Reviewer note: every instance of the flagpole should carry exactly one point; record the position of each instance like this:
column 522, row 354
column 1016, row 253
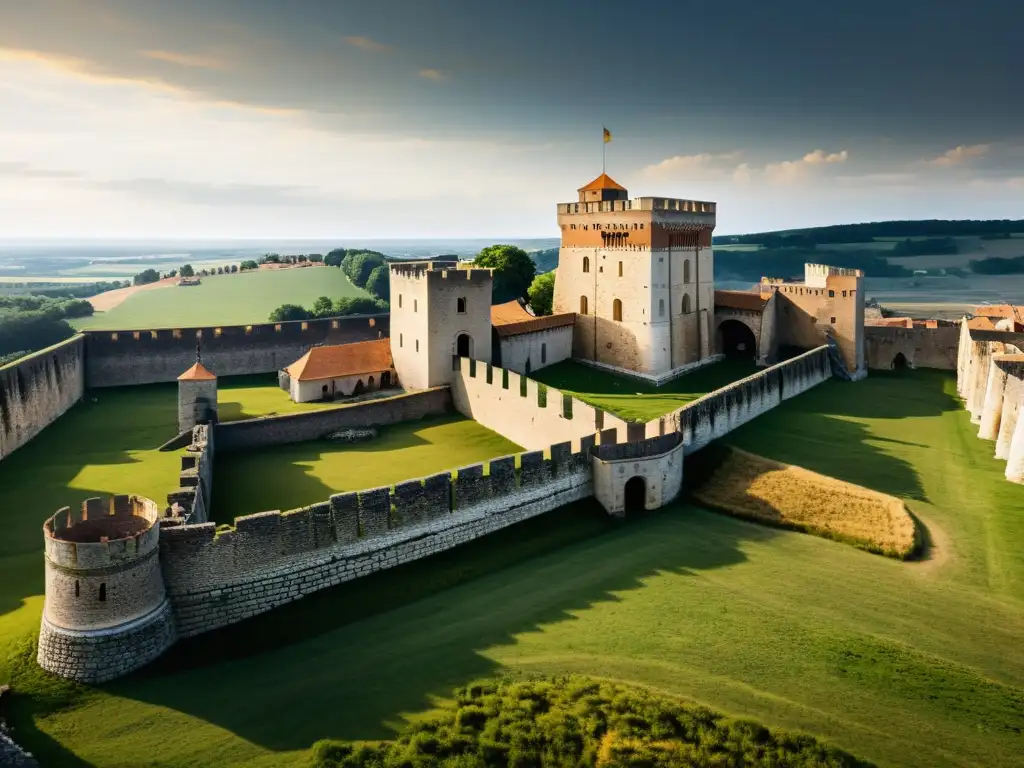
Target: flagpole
column 604, row 150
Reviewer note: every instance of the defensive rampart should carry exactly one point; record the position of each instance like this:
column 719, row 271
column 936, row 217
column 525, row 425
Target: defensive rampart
column 313, row 425
column 118, row 358
column 525, row 411
column 217, row 578
column 920, row 347
column 718, row 413
column 38, row 388
column 195, row 481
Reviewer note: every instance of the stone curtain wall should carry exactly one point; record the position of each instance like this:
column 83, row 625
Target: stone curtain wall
column 118, row 358
column 313, row 425
column 195, row 487
column 718, row 413
column 271, row 558
column 657, row 460
column 527, row 413
column 922, row 347
column 990, row 379
column 37, row 389
column 13, row 756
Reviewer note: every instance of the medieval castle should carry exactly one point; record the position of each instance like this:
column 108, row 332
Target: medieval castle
column 635, row 294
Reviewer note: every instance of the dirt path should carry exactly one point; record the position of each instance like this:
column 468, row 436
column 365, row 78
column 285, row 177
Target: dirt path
column 106, row 301
column 937, row 548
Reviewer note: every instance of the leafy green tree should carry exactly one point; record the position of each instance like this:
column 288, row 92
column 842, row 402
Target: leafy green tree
column 335, row 257
column 233, row 268
column 249, row 264
column 360, row 305
column 379, row 282
column 31, row 331
column 542, row 293
column 361, row 265
column 145, row 277
column 513, row 269
column 323, row 307
column 316, row 258
column 77, row 308
column 187, row 271
column 288, row 312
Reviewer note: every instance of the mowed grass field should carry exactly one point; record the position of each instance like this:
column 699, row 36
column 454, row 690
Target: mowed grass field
column 237, row 299
column 905, row 664
column 636, row 400
column 286, row 477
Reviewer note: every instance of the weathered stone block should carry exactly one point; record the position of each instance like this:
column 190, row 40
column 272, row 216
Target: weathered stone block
column 345, row 511
column 471, row 487
column 503, row 475
column 374, row 511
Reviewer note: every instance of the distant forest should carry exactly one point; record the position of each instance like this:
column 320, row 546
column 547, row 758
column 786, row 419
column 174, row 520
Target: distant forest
column 789, row 262
column 865, row 233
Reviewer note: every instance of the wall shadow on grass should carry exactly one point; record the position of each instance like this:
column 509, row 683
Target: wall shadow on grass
column 349, row 660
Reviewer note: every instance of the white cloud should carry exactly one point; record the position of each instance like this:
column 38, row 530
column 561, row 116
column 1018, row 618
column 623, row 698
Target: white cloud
column 432, row 74
column 960, row 155
column 368, row 44
column 1012, row 182
column 789, row 171
column 704, row 165
column 193, row 60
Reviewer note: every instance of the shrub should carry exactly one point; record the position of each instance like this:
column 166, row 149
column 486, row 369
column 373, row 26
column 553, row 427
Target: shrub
column 379, row 282
column 542, row 293
column 359, row 305
column 574, row 722
column 288, row 312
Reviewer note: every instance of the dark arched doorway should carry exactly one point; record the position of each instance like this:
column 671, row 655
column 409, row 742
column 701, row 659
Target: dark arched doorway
column 736, row 340
column 358, row 389
column 464, row 345
column 635, row 495
column 899, row 363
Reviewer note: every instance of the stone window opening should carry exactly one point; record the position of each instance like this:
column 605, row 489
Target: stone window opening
column 620, row 269
column 686, row 271
column 460, row 305
column 617, row 310
column 417, row 345
column 78, row 588
column 686, row 304
column 543, row 352
column 831, row 294
column 661, row 307
column 399, row 339
column 583, row 305
column 586, row 264
column 415, row 305
column 844, row 294
column 399, row 301
column 832, row 320
column 103, row 592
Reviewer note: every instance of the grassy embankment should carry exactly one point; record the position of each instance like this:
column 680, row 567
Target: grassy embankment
column 238, row 299
column 755, row 488
column 635, row 400
column 910, row 664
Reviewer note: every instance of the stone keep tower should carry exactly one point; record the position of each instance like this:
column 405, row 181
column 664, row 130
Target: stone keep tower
column 197, row 396
column 438, row 311
column 640, row 275
column 106, row 612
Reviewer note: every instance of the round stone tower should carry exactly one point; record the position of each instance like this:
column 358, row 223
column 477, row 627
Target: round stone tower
column 106, row 611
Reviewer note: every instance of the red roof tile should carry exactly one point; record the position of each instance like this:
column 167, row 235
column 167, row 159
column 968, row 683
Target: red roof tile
column 604, row 181
column 535, row 324
column 509, row 312
column 197, row 372
column 332, row 362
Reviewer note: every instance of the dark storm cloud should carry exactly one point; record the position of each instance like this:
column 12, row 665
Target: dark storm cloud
column 929, row 74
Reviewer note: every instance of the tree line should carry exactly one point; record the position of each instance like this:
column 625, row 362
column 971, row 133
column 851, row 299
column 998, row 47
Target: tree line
column 868, row 232
column 30, row 322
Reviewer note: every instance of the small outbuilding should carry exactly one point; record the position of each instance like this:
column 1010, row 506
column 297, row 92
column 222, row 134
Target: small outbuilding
column 340, row 370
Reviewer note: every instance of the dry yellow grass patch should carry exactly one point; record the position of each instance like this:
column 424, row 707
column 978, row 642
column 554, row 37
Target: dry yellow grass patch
column 767, row 491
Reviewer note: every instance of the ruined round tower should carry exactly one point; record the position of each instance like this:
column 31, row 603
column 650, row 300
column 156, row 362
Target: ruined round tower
column 106, row 611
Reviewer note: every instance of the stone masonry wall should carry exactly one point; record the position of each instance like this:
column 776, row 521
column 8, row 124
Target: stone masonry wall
column 195, row 481
column 13, row 756
column 38, row 388
column 527, row 413
column 119, row 358
column 271, row 558
column 718, row 413
column 922, row 347
column 313, row 425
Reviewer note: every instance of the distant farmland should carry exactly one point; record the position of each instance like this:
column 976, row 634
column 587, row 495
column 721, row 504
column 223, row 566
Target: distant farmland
column 224, row 299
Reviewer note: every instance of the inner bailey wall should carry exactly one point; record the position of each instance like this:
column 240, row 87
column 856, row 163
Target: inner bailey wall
column 195, row 481
column 718, row 413
column 922, row 347
column 269, row 559
column 120, row 358
column 313, row 425
column 524, row 411
column 37, row 389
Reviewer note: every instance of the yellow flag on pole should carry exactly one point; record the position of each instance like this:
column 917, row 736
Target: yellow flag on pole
column 607, row 134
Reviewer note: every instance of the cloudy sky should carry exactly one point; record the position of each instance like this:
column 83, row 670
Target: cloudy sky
column 452, row 118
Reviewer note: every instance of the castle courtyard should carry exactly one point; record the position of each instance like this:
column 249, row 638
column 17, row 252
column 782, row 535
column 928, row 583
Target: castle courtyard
column 913, row 664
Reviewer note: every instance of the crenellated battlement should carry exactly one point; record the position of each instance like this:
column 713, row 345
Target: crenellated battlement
column 661, row 204
column 430, row 270
column 102, row 533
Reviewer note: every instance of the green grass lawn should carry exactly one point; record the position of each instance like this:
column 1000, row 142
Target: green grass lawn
column 907, row 664
column 290, row 476
column 224, row 299
column 633, row 399
column 247, row 397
